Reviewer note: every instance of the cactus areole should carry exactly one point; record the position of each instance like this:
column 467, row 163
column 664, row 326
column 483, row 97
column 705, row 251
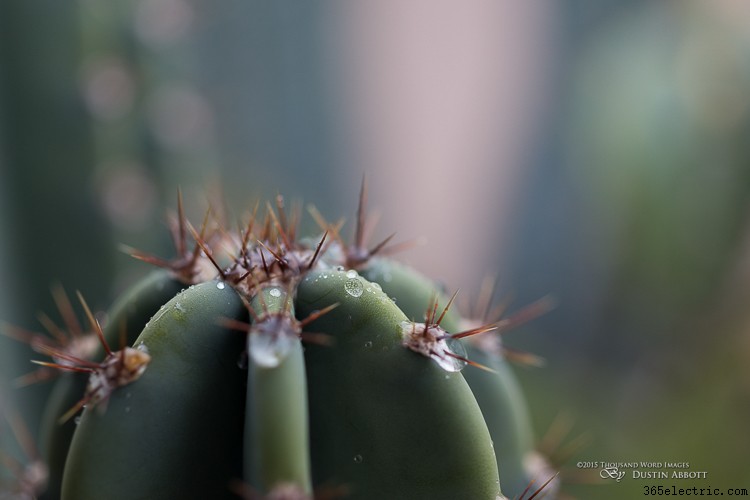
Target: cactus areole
column 267, row 365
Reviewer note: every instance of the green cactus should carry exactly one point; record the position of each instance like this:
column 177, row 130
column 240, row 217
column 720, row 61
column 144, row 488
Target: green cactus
column 262, row 364
column 496, row 389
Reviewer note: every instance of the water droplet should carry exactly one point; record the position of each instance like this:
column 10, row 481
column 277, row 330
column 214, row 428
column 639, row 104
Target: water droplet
column 339, row 268
column 179, row 307
column 220, row 285
column 353, row 287
column 325, row 276
column 377, row 287
column 142, row 347
column 77, row 420
column 457, row 348
column 351, row 274
column 368, row 344
column 358, row 459
column 275, row 292
column 270, row 344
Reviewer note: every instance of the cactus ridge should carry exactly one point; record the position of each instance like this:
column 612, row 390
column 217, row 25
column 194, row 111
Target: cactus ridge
column 495, row 387
column 374, row 404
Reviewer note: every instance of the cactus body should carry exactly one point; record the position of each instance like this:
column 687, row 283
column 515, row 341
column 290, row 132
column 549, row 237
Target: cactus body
column 276, row 427
column 175, row 433
column 280, row 371
column 127, row 318
column 374, row 403
column 498, row 393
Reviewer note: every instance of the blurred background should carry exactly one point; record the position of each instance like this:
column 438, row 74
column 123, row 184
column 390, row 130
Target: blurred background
column 595, row 151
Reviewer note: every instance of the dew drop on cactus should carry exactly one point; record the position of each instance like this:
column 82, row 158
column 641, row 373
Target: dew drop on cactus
column 266, row 352
column 353, row 287
column 457, row 348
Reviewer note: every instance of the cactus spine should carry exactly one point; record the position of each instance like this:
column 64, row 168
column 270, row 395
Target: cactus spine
column 287, row 363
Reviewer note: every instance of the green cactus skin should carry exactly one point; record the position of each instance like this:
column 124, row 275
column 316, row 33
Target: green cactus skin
column 139, row 303
column 507, row 417
column 386, row 421
column 129, row 314
column 412, row 291
column 277, row 439
column 174, row 432
column 498, row 394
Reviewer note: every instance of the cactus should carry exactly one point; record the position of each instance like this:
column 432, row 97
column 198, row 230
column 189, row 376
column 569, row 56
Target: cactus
column 309, row 368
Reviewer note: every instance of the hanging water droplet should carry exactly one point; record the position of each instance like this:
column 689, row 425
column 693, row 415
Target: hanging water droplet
column 275, row 292
column 358, row 459
column 220, row 285
column 353, row 287
column 351, row 273
column 271, row 343
column 457, row 348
